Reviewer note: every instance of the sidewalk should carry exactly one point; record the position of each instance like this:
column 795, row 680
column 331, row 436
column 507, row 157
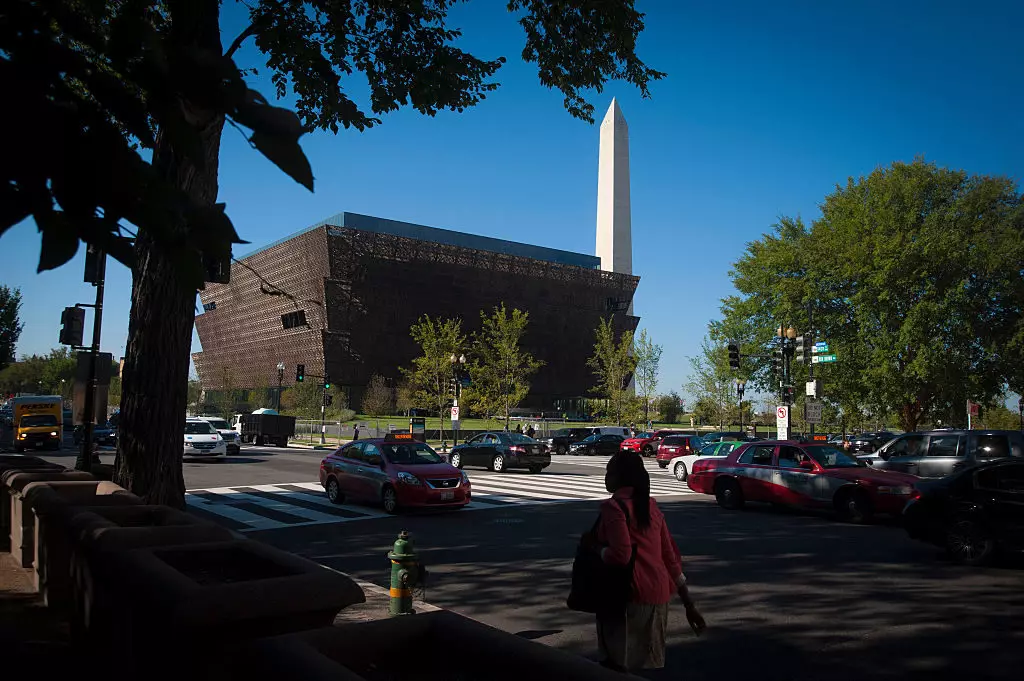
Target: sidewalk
column 30, row 635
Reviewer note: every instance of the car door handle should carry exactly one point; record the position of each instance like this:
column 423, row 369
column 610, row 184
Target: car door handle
column 360, row 470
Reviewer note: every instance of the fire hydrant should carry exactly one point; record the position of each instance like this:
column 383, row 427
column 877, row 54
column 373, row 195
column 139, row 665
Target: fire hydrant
column 406, row 573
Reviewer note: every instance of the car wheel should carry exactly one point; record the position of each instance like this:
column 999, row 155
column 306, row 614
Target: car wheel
column 334, row 494
column 680, row 471
column 535, row 469
column 389, row 499
column 560, row 449
column 663, row 464
column 648, row 451
column 968, row 543
column 853, row 506
column 259, row 440
column 728, row 494
column 498, row 463
column 456, row 460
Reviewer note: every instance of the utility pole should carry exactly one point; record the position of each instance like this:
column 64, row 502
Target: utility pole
column 810, row 366
column 280, row 378
column 98, row 275
column 323, row 411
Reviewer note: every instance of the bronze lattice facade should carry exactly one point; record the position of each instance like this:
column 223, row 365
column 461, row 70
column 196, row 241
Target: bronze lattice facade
column 362, row 282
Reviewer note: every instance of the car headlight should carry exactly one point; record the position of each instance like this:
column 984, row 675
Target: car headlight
column 23, row 436
column 408, row 479
column 465, row 477
column 53, row 433
column 896, row 490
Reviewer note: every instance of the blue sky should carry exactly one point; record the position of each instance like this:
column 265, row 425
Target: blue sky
column 766, row 107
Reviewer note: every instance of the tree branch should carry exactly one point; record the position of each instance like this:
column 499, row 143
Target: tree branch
column 237, row 42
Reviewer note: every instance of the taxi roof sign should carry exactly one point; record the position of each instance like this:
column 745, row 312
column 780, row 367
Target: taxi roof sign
column 398, row 436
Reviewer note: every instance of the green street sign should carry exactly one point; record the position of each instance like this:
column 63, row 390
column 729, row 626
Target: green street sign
column 823, row 359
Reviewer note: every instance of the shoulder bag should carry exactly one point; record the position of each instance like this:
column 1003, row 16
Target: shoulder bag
column 598, row 587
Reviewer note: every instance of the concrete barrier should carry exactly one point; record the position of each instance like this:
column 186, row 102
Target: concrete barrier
column 21, row 463
column 22, row 521
column 181, row 604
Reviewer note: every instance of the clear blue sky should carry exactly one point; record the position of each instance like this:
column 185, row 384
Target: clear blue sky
column 766, row 107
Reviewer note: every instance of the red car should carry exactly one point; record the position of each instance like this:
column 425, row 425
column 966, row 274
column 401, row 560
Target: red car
column 646, row 443
column 677, row 445
column 804, row 475
column 396, row 472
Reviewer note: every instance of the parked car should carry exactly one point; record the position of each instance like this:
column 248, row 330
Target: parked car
column 232, row 438
column 728, row 436
column 597, row 444
column 869, row 442
column 499, row 451
column 395, row 472
column 647, row 443
column 563, row 438
column 104, row 436
column 938, row 453
column 682, row 465
column 202, row 439
column 677, row 445
column 815, row 476
column 972, row 514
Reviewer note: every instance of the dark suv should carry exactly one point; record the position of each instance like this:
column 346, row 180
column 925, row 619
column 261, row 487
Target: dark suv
column 563, row 438
column 866, row 443
column 937, row 453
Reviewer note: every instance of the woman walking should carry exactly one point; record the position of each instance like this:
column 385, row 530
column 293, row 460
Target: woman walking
column 635, row 639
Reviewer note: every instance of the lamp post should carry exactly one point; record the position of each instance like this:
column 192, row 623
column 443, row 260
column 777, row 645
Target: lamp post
column 741, row 385
column 280, row 378
column 1020, row 411
column 458, row 366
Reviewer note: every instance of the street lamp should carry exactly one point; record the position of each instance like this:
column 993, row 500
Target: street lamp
column 457, row 364
column 1020, row 410
column 741, row 385
column 280, row 378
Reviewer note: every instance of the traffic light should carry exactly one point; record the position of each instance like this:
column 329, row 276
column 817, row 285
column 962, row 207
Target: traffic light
column 777, row 363
column 300, row 373
column 803, row 348
column 734, row 356
column 327, row 381
column 72, row 321
column 328, row 399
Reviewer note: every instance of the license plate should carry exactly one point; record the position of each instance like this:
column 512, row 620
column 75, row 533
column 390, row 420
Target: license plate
column 447, row 496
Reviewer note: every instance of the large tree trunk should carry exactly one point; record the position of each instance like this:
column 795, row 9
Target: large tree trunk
column 155, row 384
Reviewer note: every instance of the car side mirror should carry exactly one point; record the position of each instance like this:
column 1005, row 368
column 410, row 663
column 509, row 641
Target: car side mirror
column 807, row 465
column 884, row 455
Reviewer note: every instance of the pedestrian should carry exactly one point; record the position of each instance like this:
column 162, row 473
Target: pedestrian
column 530, row 432
column 355, row 435
column 519, row 428
column 635, row 639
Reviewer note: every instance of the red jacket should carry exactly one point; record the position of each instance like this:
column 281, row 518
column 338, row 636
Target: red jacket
column 658, row 563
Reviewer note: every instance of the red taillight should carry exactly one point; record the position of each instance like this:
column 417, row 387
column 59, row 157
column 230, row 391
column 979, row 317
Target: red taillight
column 517, row 450
column 915, row 495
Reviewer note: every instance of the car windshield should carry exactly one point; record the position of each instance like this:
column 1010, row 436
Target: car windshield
column 219, row 424
column 830, row 457
column 198, row 428
column 592, row 438
column 519, row 438
column 410, row 453
column 643, row 436
column 38, row 420
column 674, row 440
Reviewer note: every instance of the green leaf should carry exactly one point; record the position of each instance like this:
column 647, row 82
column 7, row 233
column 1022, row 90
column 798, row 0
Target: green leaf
column 286, row 155
column 60, row 242
column 255, row 113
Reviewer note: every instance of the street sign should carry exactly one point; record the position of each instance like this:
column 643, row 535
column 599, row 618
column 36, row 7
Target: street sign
column 455, row 413
column 812, row 411
column 820, row 346
column 973, row 408
column 813, row 388
column 823, row 359
column 782, row 422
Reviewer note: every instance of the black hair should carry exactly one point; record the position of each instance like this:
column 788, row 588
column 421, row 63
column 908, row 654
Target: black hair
column 627, row 470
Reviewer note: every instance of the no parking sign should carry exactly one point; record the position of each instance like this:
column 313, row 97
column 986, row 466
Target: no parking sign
column 782, row 422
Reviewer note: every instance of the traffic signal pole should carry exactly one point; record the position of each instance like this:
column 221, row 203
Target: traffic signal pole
column 810, row 365
column 84, row 460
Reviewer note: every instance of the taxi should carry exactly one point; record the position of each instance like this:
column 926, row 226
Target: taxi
column 396, row 472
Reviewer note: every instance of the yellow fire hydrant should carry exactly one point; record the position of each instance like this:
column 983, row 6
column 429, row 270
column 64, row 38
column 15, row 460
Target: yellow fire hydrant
column 406, row 573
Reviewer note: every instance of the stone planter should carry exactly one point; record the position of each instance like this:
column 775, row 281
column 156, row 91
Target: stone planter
column 196, row 599
column 54, row 506
column 438, row 645
column 22, row 530
column 20, row 463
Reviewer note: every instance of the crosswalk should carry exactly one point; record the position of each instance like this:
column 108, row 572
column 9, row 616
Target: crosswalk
column 602, row 461
column 267, row 507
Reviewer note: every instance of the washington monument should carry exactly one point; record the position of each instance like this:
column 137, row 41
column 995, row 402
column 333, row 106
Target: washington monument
column 614, row 239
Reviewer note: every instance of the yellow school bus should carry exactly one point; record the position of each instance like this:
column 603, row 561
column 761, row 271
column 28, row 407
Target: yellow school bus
column 37, row 421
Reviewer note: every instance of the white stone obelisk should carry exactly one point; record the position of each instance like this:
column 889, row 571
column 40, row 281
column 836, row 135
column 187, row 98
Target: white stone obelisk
column 614, row 237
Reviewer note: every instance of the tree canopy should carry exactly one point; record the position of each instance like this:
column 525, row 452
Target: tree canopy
column 613, row 363
column 500, row 367
column 10, row 324
column 648, row 361
column 914, row 275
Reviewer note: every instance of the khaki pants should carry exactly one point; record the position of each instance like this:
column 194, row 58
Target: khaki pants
column 634, row 639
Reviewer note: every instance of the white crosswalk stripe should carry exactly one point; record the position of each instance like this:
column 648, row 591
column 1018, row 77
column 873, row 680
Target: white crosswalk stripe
column 297, row 504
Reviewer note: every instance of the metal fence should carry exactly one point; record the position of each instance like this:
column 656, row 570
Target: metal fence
column 308, row 430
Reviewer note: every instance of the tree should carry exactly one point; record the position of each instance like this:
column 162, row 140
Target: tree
column 648, row 359
column 668, row 407
column 913, row 274
column 431, row 372
column 139, row 94
column 377, row 400
column 195, row 396
column 613, row 364
column 404, row 398
column 711, row 383
column 10, row 324
column 500, row 367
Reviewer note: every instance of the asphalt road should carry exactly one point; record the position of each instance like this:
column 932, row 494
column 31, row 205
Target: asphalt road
column 786, row 595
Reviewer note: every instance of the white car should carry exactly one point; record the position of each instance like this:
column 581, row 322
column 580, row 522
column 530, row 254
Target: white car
column 682, row 465
column 202, row 439
column 232, row 438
